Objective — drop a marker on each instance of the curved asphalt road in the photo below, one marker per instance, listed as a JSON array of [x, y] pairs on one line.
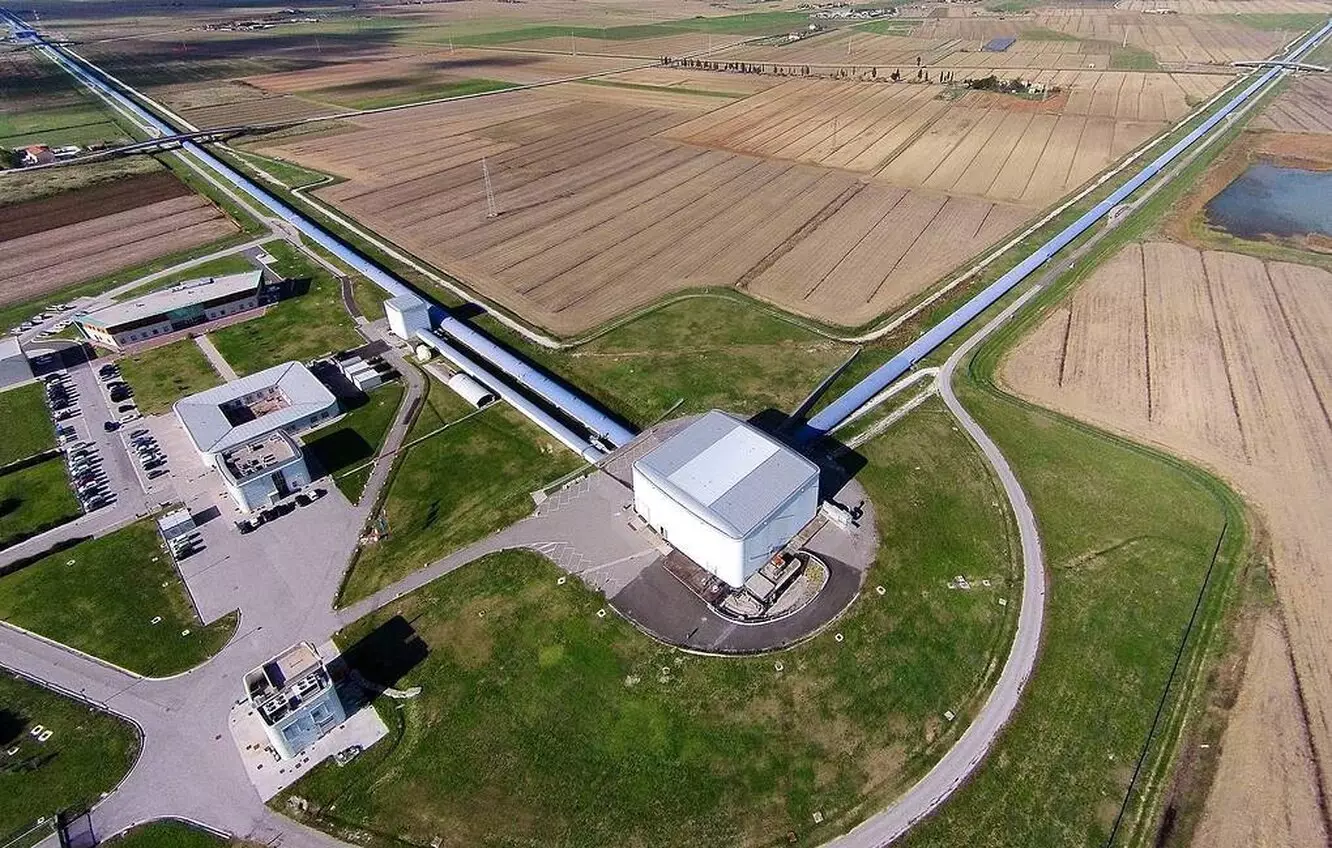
[[957, 765]]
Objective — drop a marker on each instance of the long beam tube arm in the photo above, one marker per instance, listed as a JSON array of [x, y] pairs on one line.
[[858, 395], [538, 416], [597, 421]]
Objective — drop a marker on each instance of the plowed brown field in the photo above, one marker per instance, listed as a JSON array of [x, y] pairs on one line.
[[993, 146], [51, 259], [599, 214], [1227, 361], [1305, 107]]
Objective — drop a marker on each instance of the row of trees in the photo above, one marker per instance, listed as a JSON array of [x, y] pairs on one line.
[[853, 72]]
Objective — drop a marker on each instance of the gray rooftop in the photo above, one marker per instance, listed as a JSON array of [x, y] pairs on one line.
[[177, 297], [727, 472], [212, 431]]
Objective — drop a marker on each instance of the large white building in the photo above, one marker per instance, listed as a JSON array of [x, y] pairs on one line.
[[170, 310], [726, 494], [244, 429], [295, 698]]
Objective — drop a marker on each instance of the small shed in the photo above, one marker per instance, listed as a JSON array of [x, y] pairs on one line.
[[175, 524]]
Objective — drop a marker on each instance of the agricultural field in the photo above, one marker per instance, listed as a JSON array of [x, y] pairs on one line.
[[599, 215], [1304, 107], [48, 244], [1000, 147], [1224, 359], [39, 104]]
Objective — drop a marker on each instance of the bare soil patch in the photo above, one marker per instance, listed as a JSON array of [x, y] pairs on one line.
[[73, 207], [1226, 360], [54, 258]]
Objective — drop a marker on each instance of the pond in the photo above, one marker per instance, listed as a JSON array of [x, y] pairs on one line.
[[1270, 200]]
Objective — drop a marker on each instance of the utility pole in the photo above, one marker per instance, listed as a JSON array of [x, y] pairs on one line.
[[491, 211]]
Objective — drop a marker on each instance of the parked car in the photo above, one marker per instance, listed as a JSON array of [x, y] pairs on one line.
[[111, 426]]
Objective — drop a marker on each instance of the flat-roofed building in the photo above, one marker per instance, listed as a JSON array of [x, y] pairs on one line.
[[245, 430], [726, 494], [294, 695], [170, 310], [14, 365]]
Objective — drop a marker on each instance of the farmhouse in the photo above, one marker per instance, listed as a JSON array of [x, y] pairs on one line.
[[725, 494], [294, 695], [244, 429], [180, 307], [35, 154]]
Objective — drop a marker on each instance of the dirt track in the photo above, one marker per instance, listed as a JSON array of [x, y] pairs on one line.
[[1227, 361]]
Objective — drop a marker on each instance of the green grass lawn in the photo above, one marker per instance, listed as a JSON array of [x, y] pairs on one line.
[[104, 604], [166, 833], [235, 263], [707, 351], [455, 487], [87, 754], [1273, 21], [541, 723], [28, 426], [163, 375], [299, 328], [35, 499], [356, 438]]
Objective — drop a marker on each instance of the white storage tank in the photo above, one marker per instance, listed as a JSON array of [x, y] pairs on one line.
[[471, 391]]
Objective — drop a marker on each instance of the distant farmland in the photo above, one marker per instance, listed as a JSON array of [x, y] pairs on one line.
[[600, 214]]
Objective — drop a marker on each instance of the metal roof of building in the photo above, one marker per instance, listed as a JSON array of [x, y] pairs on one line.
[[727, 472], [211, 431], [177, 297], [10, 347]]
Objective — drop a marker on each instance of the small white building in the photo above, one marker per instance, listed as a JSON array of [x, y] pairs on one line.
[[725, 494], [244, 429], [406, 314], [295, 697], [14, 365]]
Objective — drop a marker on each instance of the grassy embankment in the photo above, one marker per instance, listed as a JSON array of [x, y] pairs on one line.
[[87, 754], [163, 375], [120, 599], [299, 328], [355, 439], [470, 479], [573, 729]]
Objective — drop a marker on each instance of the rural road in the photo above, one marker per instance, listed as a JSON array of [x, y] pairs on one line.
[[958, 763]]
